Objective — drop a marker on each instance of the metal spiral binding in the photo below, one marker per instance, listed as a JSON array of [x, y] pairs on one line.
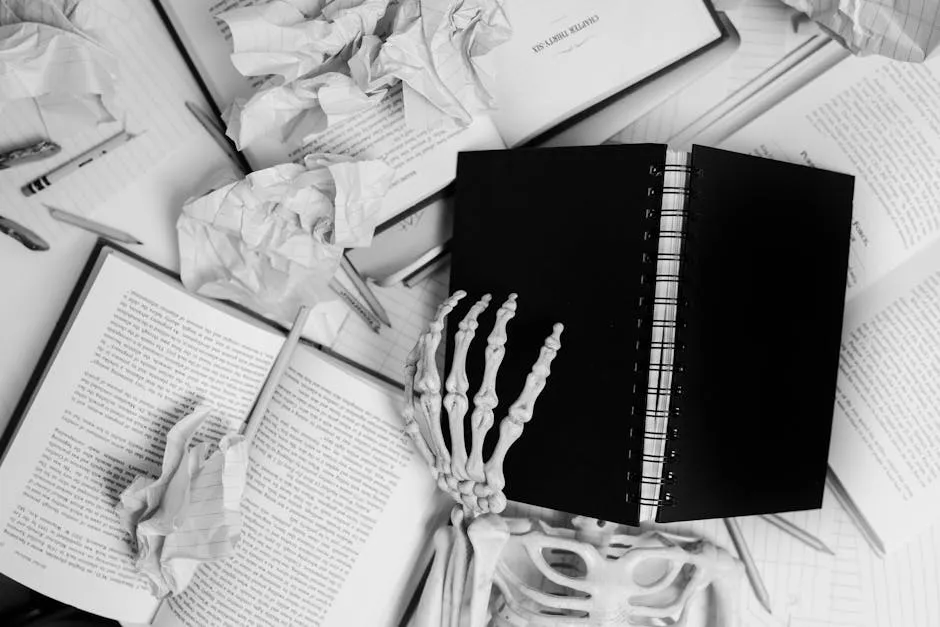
[[673, 302]]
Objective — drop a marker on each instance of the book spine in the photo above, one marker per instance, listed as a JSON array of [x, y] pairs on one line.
[[663, 403]]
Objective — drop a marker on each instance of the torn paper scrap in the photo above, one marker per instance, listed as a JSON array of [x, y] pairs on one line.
[[189, 515], [906, 30], [53, 52], [273, 240], [332, 61]]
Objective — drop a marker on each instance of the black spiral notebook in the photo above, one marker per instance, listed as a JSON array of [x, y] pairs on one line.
[[702, 296]]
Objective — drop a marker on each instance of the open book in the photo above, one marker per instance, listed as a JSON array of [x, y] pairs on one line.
[[337, 503], [563, 58], [877, 119]]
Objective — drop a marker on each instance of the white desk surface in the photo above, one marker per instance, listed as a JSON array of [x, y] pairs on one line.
[[37, 285]]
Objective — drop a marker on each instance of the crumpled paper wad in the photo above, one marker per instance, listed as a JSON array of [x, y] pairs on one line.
[[273, 240], [906, 30], [331, 60], [189, 515], [52, 51]]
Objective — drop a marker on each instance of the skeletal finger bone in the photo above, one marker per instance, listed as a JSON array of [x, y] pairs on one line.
[[475, 485], [520, 413], [427, 382], [485, 399], [408, 413], [456, 402]]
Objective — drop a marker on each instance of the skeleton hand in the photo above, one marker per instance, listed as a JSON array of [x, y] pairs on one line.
[[478, 486]]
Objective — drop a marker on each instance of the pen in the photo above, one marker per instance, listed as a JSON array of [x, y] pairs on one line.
[[355, 305], [23, 235], [92, 226], [25, 154], [750, 568], [210, 125], [77, 163], [800, 534], [363, 288]]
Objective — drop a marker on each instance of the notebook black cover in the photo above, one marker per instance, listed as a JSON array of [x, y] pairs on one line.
[[768, 247], [566, 229]]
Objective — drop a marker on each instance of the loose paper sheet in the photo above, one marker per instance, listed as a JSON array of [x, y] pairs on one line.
[[55, 53], [154, 83], [273, 240], [191, 513], [906, 30]]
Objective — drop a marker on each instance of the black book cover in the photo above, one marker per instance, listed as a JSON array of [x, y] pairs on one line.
[[567, 229], [570, 231], [767, 247]]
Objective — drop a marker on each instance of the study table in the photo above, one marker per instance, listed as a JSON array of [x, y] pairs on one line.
[[811, 589]]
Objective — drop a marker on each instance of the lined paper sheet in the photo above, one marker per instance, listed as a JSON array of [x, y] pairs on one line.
[[153, 85], [66, 60], [766, 36], [902, 588], [409, 309]]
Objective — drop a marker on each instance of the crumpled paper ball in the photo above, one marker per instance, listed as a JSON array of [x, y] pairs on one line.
[[52, 51], [192, 513], [328, 61], [273, 240], [877, 27]]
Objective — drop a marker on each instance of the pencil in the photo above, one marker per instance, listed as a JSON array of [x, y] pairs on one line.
[[363, 288], [800, 534], [355, 305], [750, 568], [274, 376], [217, 134], [91, 226]]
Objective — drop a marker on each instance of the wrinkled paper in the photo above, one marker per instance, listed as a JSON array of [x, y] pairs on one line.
[[273, 240], [52, 52], [191, 513], [906, 30], [328, 62]]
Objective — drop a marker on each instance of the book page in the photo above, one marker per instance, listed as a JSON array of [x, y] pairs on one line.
[[152, 87], [425, 160], [339, 512], [885, 434], [139, 354], [877, 120], [566, 56]]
